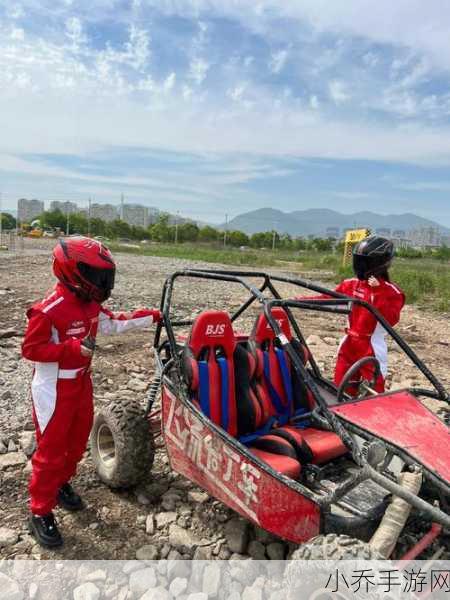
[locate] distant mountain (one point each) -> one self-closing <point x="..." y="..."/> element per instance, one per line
<point x="154" y="214"/>
<point x="316" y="221"/>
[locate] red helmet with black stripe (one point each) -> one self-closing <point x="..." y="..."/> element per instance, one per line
<point x="85" y="266"/>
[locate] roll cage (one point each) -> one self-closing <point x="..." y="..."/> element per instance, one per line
<point x="337" y="304"/>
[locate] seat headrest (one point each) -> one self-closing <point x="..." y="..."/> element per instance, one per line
<point x="263" y="331"/>
<point x="212" y="329"/>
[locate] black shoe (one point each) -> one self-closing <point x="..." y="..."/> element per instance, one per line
<point x="45" y="530"/>
<point x="69" y="499"/>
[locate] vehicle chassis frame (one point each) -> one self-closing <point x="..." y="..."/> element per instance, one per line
<point x="337" y="304"/>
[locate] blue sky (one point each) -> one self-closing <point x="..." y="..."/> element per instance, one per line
<point x="210" y="107"/>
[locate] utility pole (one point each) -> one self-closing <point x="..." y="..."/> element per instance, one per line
<point x="89" y="217"/>
<point x="225" y="232"/>
<point x="176" y="227"/>
<point x="1" y="219"/>
<point x="121" y="207"/>
<point x="18" y="225"/>
<point x="274" y="237"/>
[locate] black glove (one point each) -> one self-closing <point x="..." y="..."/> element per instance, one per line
<point x="89" y="343"/>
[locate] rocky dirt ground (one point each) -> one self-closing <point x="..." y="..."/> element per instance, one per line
<point x="167" y="517"/>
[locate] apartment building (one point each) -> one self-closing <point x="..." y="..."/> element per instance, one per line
<point x="106" y="212"/>
<point x="27" y="210"/>
<point x="67" y="208"/>
<point x="134" y="214"/>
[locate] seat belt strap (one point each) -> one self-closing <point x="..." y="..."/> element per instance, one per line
<point x="264" y="430"/>
<point x="225" y="396"/>
<point x="203" y="372"/>
<point x="287" y="380"/>
<point x="281" y="410"/>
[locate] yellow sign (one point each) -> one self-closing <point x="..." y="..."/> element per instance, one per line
<point x="356" y="235"/>
<point x="352" y="237"/>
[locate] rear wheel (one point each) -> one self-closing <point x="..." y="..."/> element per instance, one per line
<point x="122" y="445"/>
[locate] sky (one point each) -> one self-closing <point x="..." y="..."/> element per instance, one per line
<point x="214" y="107"/>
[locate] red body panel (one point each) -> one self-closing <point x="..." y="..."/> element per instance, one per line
<point x="403" y="421"/>
<point x="196" y="451"/>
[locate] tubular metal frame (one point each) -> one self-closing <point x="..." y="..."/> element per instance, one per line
<point x="338" y="304"/>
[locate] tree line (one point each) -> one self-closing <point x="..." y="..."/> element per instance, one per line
<point x="8" y="221"/>
<point x="164" y="231"/>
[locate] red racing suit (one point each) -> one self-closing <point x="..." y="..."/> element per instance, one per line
<point x="61" y="388"/>
<point x="364" y="335"/>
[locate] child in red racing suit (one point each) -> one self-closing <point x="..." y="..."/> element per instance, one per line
<point x="364" y="335"/>
<point x="60" y="340"/>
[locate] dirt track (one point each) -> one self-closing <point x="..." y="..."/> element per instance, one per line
<point x="114" y="524"/>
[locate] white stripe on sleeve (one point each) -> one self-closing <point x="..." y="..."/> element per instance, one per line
<point x="108" y="326"/>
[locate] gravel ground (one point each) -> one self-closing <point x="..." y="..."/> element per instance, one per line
<point x="168" y="517"/>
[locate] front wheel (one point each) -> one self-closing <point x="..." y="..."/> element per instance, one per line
<point x="335" y="547"/>
<point x="122" y="445"/>
<point x="302" y="580"/>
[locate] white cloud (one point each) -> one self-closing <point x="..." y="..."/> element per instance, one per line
<point x="405" y="23"/>
<point x="198" y="70"/>
<point x="424" y="186"/>
<point x="138" y="47"/>
<point x="75" y="33"/>
<point x="237" y="92"/>
<point x="14" y="10"/>
<point x="401" y="104"/>
<point x="22" y="81"/>
<point x="179" y="182"/>
<point x="353" y="195"/>
<point x="169" y="82"/>
<point x="30" y="125"/>
<point x="75" y="96"/>
<point x="187" y="92"/>
<point x="404" y="103"/>
<point x="371" y="60"/>
<point x="207" y="184"/>
<point x="135" y="53"/>
<point x="17" y="34"/>
<point x="278" y="60"/>
<point x="420" y="26"/>
<point x="338" y="92"/>
<point x="418" y="74"/>
<point x="64" y="81"/>
<point x="146" y="85"/>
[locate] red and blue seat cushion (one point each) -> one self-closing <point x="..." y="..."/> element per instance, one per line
<point x="235" y="387"/>
<point x="283" y="393"/>
<point x="219" y="373"/>
<point x="280" y="389"/>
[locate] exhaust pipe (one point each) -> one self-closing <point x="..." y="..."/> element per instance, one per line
<point x="386" y="536"/>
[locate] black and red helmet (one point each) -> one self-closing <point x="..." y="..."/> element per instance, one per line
<point x="85" y="266"/>
<point x="372" y="256"/>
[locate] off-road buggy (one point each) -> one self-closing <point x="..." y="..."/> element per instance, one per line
<point x="252" y="420"/>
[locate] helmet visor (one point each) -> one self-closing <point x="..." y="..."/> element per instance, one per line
<point x="365" y="266"/>
<point x="102" y="279"/>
